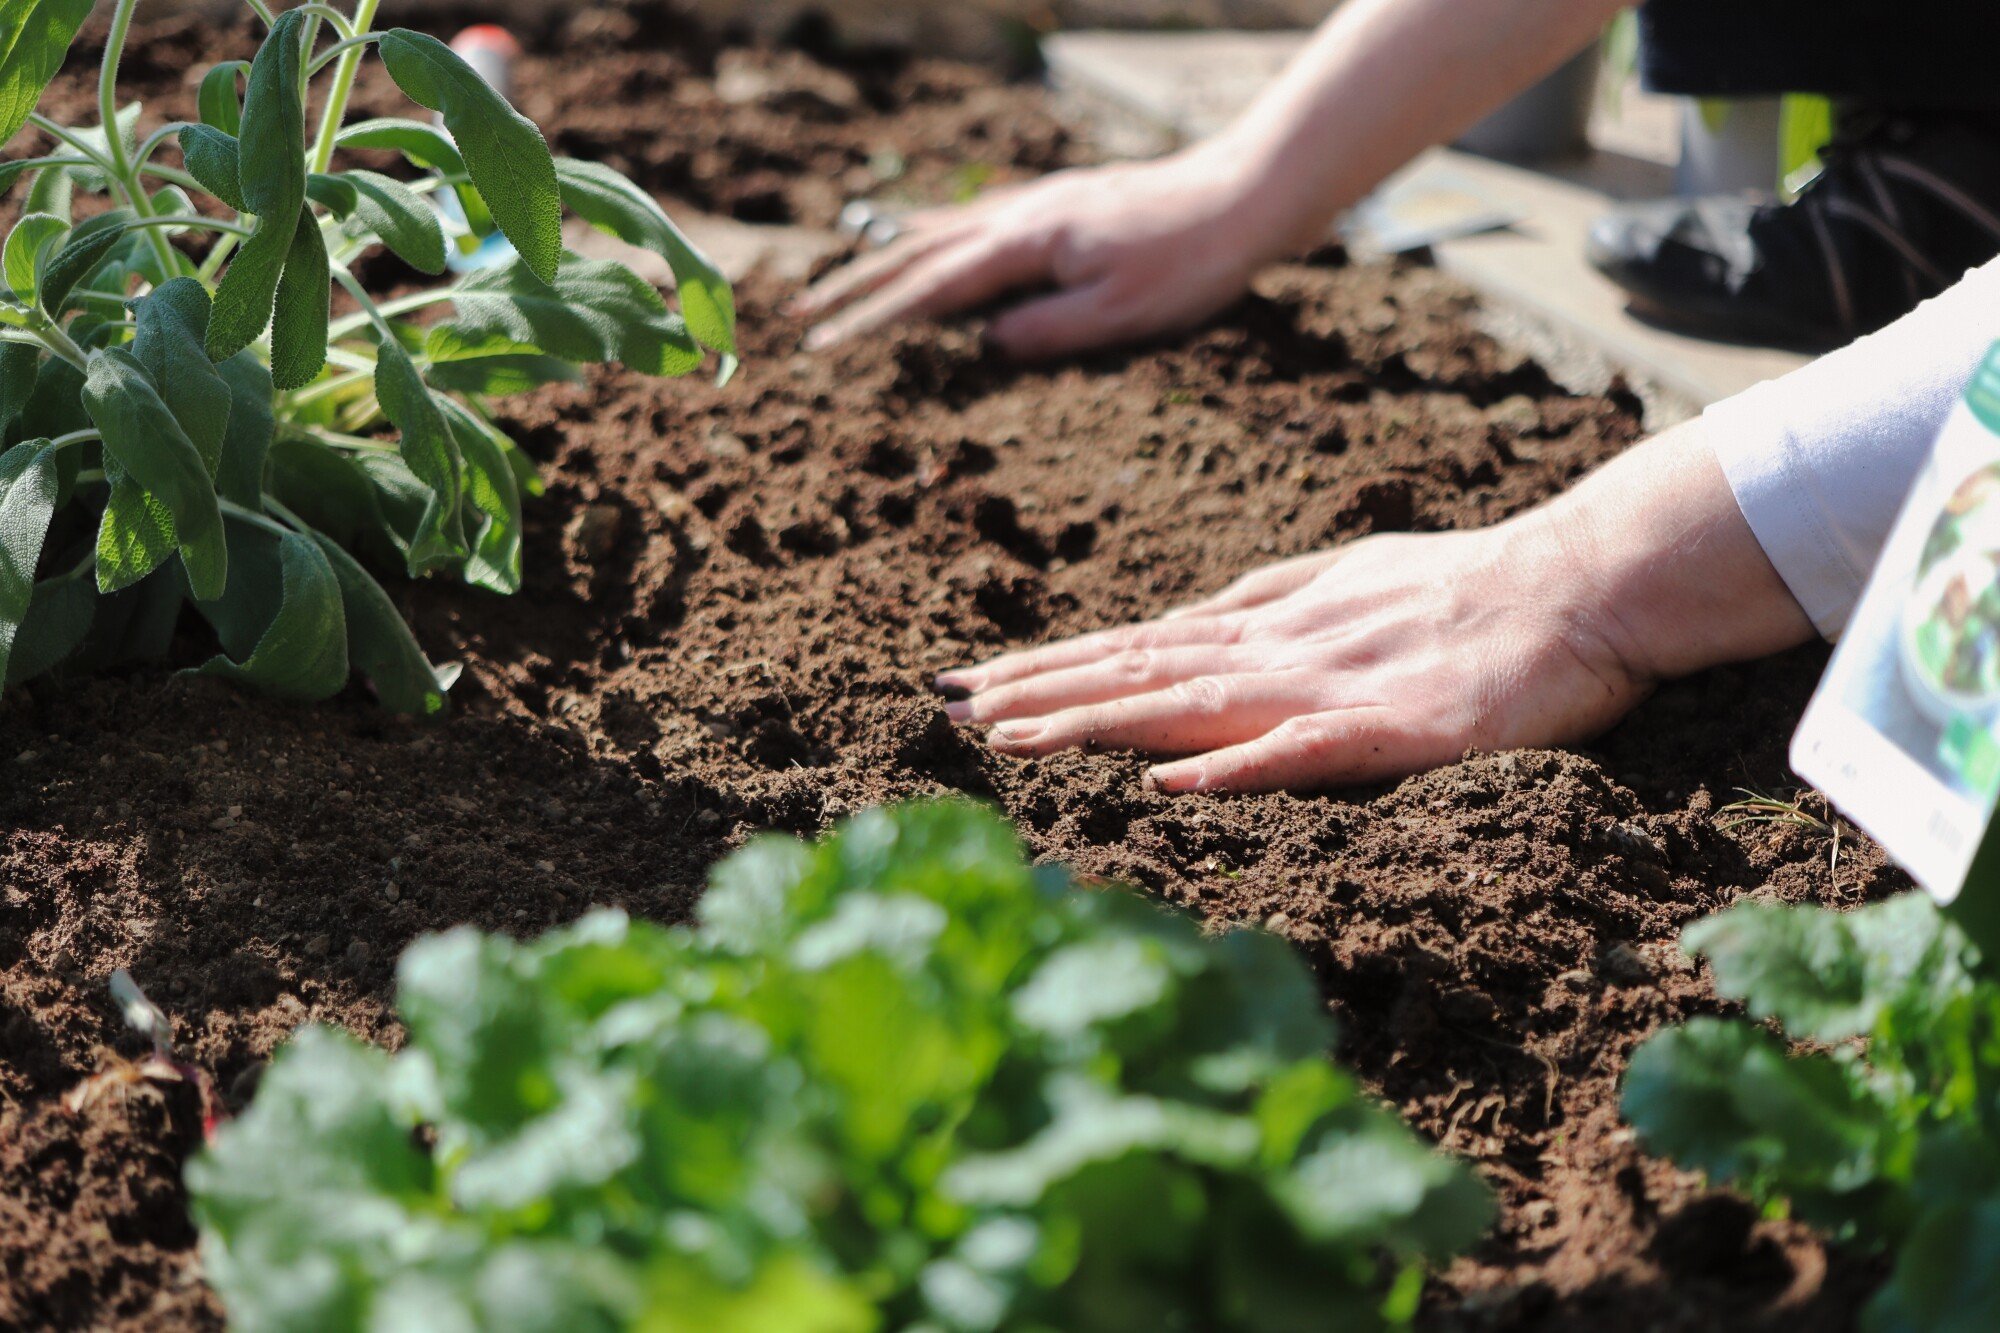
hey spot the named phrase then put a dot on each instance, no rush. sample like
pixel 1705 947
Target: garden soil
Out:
pixel 734 599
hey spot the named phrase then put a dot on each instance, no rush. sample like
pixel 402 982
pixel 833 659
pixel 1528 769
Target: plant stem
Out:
pixel 74 437
pixel 252 517
pixel 107 84
pixel 339 50
pixel 263 11
pixel 37 163
pixel 331 15
pixel 172 175
pixel 193 221
pixel 330 386
pixel 402 305
pixel 337 440
pixel 277 507
pixel 107 111
pixel 360 294
pixel 343 88
pixel 50 335
pixel 63 135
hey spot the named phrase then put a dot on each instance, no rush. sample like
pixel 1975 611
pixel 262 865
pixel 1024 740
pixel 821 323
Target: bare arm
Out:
pixel 1381 81
pixel 1398 652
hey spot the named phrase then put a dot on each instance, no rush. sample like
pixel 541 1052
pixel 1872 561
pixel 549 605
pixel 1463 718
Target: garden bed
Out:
pixel 734 599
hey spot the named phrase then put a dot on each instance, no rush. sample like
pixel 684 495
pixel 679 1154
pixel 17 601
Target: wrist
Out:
pixel 1268 218
pixel 1663 566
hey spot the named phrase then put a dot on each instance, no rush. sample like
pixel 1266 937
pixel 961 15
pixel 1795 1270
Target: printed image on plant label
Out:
pixel 1904 731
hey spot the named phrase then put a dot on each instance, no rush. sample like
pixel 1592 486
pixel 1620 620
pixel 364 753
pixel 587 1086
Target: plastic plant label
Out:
pixel 1903 733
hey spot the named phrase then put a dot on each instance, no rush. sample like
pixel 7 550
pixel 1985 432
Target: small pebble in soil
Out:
pixel 1623 966
pixel 317 946
pixel 594 531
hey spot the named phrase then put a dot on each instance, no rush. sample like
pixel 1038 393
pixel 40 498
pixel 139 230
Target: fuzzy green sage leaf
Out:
pixel 141 434
pixel 504 153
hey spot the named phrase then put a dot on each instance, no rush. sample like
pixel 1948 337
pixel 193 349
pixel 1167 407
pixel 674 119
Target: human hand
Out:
pixel 1401 651
pixel 1386 657
pixel 1132 250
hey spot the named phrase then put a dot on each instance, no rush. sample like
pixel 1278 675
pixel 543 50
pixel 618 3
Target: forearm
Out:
pixel 1681 582
pixel 1382 81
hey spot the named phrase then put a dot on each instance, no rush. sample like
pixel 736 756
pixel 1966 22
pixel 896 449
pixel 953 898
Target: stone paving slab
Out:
pixel 1149 91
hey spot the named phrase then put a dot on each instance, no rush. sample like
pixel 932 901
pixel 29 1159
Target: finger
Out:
pixel 954 278
pixel 1260 586
pixel 1086 648
pixel 869 272
pixel 1078 320
pixel 1134 671
pixel 1205 713
pixel 945 214
pixel 1308 752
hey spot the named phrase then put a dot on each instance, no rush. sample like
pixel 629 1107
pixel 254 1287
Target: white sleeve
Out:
pixel 1821 459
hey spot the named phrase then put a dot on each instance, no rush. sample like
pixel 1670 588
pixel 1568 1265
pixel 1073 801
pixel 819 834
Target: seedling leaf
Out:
pixel 58 620
pixel 34 37
pixel 432 454
pixel 284 600
pixel 611 203
pixel 240 476
pixel 141 434
pixel 424 145
pixel 304 303
pixel 380 644
pixel 85 249
pixel 172 324
pixel 219 103
pixel 27 250
pixel 28 486
pixel 214 158
pixel 596 310
pixel 387 209
pixel 273 186
pixel 687 1130
pixel 494 497
pixel 504 153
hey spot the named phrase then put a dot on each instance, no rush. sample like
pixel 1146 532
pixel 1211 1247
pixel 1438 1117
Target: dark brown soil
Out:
pixel 734 599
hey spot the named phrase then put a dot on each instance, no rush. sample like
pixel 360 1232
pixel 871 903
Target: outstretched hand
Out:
pixel 1386 657
pixel 1130 250
pixel 1400 652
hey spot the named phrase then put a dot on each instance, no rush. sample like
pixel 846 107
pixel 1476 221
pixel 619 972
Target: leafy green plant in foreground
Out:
pixel 185 419
pixel 897 1080
pixel 1889 1133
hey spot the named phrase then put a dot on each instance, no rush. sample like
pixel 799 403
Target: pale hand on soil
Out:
pixel 1133 250
pixel 1400 652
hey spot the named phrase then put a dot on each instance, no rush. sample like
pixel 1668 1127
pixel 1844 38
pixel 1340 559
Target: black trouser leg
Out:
pixel 1909 54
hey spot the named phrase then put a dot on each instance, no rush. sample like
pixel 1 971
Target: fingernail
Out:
pixel 1013 735
pixel 819 339
pixel 958 710
pixel 1169 780
pixel 951 688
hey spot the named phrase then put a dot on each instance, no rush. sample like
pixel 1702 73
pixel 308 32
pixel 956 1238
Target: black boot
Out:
pixel 1907 203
